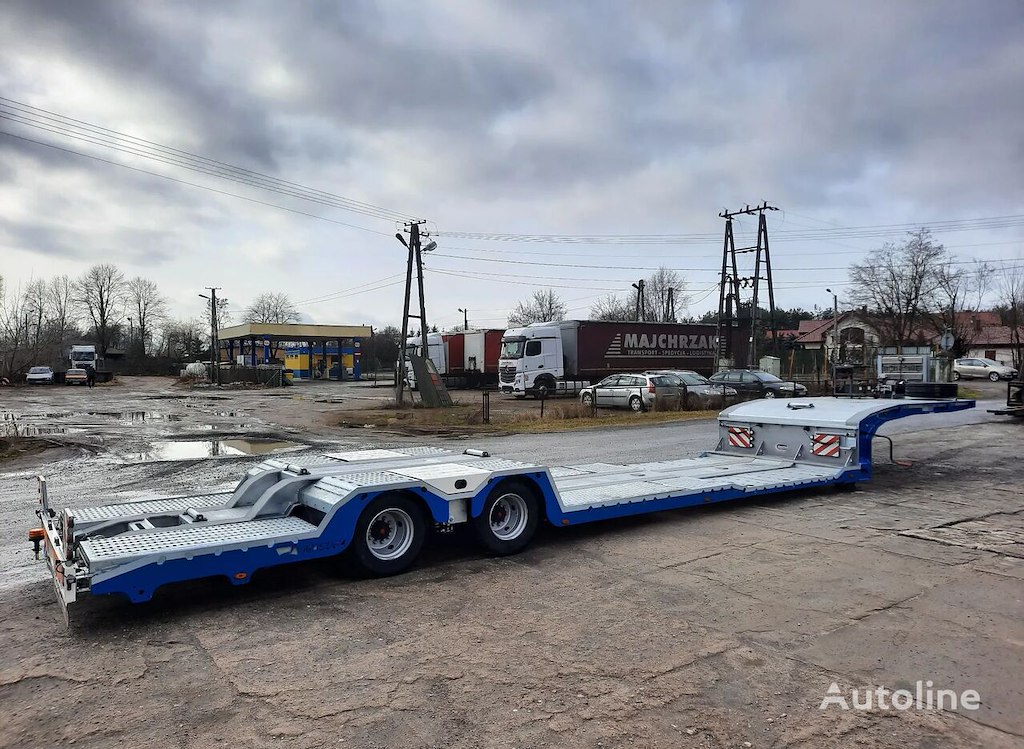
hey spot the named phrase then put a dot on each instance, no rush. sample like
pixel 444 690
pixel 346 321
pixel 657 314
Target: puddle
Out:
pixel 194 449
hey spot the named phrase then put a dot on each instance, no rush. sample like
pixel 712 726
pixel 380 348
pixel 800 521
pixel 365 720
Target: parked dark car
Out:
pixel 638 392
pixel 700 391
pixel 758 383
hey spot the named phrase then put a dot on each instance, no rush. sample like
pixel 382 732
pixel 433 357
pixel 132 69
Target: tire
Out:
pixel 509 519
pixel 931 390
pixel 388 536
pixel 994 376
pixel 769 394
pixel 587 399
pixel 956 375
pixel 636 404
pixel 544 388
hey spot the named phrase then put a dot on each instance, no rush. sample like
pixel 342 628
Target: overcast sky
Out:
pixel 568 118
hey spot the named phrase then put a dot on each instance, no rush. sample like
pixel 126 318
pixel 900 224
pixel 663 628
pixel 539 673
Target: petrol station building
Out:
pixel 311 351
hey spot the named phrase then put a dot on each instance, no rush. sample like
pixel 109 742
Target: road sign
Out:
pixel 946 341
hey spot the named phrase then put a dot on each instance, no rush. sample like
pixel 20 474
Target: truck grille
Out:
pixel 507 374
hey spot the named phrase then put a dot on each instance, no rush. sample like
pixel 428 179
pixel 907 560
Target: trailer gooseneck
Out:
pixel 376 506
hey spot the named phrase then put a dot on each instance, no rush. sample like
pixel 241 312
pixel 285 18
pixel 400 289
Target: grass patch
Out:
pixel 16 447
pixel 414 418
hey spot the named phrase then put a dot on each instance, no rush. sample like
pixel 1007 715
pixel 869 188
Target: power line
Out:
pixel 194 184
pixel 36 117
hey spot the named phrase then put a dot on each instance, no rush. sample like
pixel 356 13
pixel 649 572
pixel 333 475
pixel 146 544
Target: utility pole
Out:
pixel 835 335
pixel 465 318
pixel 670 306
pixel 640 311
pixel 415 256
pixel 729 300
pixel 214 335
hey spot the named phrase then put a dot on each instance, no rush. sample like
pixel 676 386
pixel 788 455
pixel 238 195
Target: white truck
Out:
pixel 554 358
pixel 81 357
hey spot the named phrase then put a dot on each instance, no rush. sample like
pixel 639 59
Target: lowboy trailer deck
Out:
pixel 376 506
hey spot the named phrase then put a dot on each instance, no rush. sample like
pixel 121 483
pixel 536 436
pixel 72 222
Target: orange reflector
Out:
pixel 240 576
pixel 565 521
pixel 36 534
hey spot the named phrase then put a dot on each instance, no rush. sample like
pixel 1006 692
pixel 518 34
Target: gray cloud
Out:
pixel 505 116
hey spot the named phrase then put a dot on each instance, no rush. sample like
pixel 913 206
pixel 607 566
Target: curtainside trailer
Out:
pixel 375 507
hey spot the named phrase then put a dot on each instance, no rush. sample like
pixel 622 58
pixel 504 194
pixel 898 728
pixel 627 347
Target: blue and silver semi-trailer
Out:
pixel 376 506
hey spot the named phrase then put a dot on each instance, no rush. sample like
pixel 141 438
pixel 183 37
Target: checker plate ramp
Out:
pixel 196 539
pixel 149 507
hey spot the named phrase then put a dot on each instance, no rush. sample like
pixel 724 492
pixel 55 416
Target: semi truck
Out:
pixel 374 507
pixel 549 358
pixel 84 356
pixel 464 359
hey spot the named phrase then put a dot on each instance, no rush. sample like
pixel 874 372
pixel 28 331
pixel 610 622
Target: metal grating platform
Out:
pixel 351 481
pixel 195 539
pixel 148 507
pixel 356 456
pixel 498 464
pixel 633 483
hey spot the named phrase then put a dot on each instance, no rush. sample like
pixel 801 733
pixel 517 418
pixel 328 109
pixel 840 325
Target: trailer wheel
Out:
pixel 388 536
pixel 509 518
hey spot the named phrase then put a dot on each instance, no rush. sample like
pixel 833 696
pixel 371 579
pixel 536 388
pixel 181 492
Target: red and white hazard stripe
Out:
pixel 741 437
pixel 825 445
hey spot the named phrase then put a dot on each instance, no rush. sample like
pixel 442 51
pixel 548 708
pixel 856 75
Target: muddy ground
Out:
pixel 716 627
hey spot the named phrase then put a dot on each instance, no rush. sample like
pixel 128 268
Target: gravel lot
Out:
pixel 716 627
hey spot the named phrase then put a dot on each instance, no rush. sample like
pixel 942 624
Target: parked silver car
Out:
pixel 700 392
pixel 638 392
pixel 39 376
pixel 989 368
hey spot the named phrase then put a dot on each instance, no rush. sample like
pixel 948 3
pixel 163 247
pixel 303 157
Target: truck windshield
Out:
pixel 82 356
pixel 512 348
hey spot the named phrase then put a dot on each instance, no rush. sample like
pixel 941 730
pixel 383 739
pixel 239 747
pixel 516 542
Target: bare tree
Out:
pixel 60 306
pixel 544 306
pixel 184 339
pixel 223 313
pixel 958 291
pixel 34 299
pixel 271 307
pixel 148 308
pixel 1011 298
pixel 14 334
pixel 612 308
pixel 100 291
pixel 664 296
pixel 898 283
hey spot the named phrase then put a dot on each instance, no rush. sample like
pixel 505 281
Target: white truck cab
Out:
pixel 537 359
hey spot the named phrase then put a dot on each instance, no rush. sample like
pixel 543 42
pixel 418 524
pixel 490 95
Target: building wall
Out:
pixel 296 358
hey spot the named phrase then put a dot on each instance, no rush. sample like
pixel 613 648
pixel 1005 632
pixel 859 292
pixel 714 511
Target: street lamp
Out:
pixel 835 335
pixel 465 318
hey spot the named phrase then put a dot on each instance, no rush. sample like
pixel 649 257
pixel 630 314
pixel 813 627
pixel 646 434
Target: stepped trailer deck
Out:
pixel 376 506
